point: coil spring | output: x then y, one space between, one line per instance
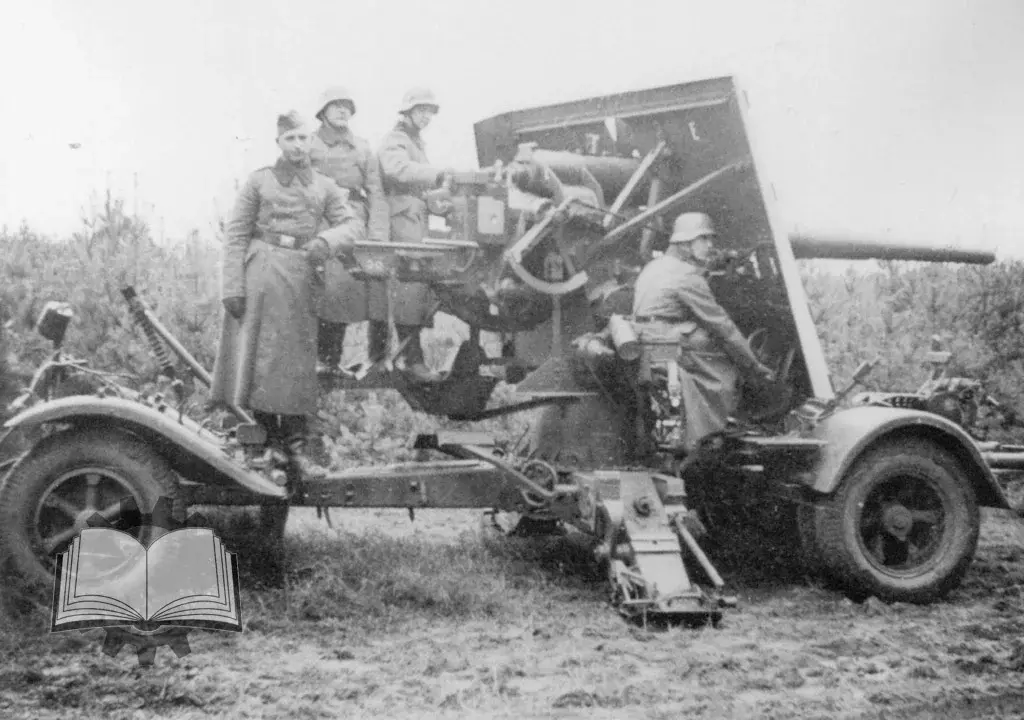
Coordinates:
154 340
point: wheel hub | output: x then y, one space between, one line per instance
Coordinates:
897 521
81 521
903 524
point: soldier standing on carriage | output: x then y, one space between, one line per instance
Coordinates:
288 220
408 176
352 164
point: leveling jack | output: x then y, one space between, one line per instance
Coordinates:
645 547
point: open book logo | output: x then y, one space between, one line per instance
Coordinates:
146 596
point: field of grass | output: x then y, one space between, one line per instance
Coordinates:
383 617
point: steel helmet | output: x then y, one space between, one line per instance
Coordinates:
690 226
336 93
419 96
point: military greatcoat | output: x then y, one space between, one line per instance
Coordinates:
352 164
407 175
674 293
267 360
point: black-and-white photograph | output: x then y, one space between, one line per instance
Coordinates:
567 359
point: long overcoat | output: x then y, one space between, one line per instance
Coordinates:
267 360
352 164
712 352
407 174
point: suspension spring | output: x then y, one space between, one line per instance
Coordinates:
142 320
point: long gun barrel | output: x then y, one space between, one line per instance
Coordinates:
838 247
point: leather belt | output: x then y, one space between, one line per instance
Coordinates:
288 242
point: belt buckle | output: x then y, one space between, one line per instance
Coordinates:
287 241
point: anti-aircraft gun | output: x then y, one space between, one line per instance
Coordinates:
576 197
546 241
573 200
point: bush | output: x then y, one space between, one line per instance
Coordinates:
892 310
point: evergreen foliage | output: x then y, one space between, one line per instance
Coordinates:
868 309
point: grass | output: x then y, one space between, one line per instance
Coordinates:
376 623
335 582
375 579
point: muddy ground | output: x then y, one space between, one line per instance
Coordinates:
387 618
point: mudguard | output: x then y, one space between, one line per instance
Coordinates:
849 433
193 452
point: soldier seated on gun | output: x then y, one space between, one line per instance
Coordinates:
288 220
672 290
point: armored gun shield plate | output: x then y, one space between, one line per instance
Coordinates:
653 155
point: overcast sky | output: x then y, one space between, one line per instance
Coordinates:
894 119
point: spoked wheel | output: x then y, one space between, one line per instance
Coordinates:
902 526
50 496
902 523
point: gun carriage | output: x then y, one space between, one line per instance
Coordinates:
545 243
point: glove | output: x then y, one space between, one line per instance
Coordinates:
235 306
346 247
592 345
318 251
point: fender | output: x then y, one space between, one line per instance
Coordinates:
193 451
848 433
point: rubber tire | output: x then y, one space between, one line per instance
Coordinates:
146 471
835 529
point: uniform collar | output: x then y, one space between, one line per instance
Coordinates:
333 136
408 126
286 171
691 264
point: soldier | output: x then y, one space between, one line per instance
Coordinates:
407 176
350 162
288 220
672 290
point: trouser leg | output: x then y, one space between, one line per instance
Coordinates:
330 342
293 428
377 339
294 433
413 352
270 422
291 432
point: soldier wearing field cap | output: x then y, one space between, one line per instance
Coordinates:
407 175
287 221
351 163
672 290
